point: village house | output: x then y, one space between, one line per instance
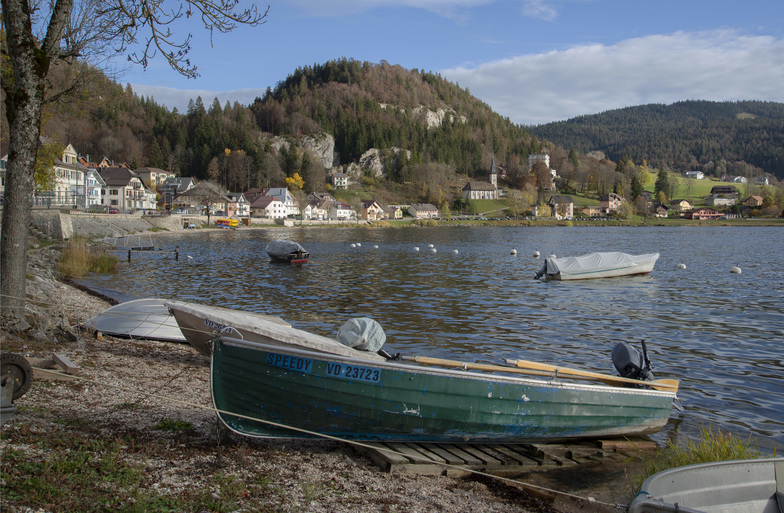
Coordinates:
610 202
393 212
371 210
95 186
173 187
269 207
124 190
340 180
752 201
237 205
288 199
423 211
70 181
697 175
680 205
154 177
660 210
704 213
722 195
562 207
341 211
592 211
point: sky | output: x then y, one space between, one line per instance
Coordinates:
533 61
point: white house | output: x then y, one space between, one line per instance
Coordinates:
95 186
268 206
340 180
284 195
341 211
70 183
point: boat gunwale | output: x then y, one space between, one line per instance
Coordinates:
445 372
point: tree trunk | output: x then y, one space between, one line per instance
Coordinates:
24 101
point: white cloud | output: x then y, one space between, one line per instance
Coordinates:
586 79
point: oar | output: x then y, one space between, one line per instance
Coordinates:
473 366
669 385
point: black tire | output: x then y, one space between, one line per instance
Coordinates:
16 368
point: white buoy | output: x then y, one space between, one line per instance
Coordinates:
513 252
353 245
454 251
552 255
536 254
681 266
432 250
429 245
735 270
416 248
375 246
358 244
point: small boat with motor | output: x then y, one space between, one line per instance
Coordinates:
596 265
287 252
270 380
742 486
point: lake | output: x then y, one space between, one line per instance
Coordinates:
720 333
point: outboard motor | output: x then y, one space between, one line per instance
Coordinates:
630 363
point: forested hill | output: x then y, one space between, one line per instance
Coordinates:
697 135
362 105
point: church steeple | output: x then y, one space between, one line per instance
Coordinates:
493 173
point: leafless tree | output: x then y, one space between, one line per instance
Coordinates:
41 35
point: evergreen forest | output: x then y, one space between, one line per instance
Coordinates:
719 138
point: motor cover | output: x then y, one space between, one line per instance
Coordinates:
627 360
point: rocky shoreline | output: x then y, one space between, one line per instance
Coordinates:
127 389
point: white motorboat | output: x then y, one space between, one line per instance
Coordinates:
597 265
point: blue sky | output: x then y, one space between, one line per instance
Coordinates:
533 61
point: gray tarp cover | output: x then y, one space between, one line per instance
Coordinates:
281 248
594 262
362 333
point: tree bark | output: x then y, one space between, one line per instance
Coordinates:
24 103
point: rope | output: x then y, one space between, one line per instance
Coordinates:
156 395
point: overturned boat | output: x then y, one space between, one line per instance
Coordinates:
596 265
287 251
147 318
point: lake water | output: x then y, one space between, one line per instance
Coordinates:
721 334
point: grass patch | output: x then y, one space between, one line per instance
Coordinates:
80 258
710 446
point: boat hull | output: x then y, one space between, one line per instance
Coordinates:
744 486
264 391
141 318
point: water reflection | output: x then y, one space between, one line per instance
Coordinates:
721 333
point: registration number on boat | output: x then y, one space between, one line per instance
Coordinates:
340 370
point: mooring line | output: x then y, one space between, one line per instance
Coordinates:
71 377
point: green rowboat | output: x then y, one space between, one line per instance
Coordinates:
265 390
